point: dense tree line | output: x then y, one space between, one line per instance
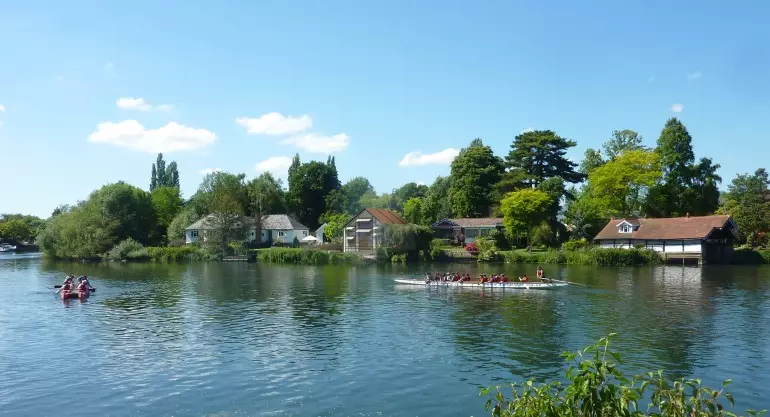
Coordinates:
535 188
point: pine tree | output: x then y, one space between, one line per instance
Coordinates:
160 166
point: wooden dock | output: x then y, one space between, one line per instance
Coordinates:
237 258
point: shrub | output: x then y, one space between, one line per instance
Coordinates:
400 258
487 249
595 386
181 253
437 249
578 244
128 250
595 256
747 256
501 240
306 256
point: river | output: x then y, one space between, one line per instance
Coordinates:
234 339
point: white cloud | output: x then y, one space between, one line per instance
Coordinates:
275 124
527 130
420 183
169 138
677 108
418 158
2 108
694 75
140 104
276 165
209 171
320 143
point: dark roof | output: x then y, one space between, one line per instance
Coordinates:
471 222
386 216
269 222
667 228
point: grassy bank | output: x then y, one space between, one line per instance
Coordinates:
594 256
306 257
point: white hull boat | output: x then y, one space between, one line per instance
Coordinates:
7 248
491 285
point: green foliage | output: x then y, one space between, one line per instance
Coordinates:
438 249
576 245
176 230
413 210
128 250
595 386
309 185
167 204
746 200
407 192
353 190
619 185
436 204
592 159
111 214
266 191
163 176
593 256
221 191
525 209
583 213
181 253
500 238
307 257
408 237
621 142
474 175
538 155
487 249
748 256
335 223
19 227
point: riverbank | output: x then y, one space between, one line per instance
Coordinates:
588 257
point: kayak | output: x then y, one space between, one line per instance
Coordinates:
501 285
65 295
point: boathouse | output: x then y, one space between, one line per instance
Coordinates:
364 232
701 239
466 230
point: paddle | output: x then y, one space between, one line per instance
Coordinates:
59 287
568 282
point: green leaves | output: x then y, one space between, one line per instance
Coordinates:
598 388
524 209
474 175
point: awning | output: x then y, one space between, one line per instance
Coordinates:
309 238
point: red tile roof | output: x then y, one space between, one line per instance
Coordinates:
666 228
386 216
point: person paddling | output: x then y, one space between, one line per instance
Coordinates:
84 289
525 278
540 273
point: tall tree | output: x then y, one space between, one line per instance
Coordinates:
584 214
436 205
704 187
621 184
474 174
556 190
172 175
220 183
154 178
295 163
160 166
167 203
538 155
524 210
353 190
622 141
408 191
592 159
413 210
747 201
309 186
266 192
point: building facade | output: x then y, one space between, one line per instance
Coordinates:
466 230
364 232
707 239
276 228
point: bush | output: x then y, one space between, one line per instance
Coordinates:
595 256
501 240
437 249
128 250
574 245
595 386
182 253
487 249
306 256
472 248
400 258
747 256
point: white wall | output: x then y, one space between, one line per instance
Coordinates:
288 236
671 246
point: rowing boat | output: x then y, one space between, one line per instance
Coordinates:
501 285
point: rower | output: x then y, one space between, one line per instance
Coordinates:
540 273
505 278
525 278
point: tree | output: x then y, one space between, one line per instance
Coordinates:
371 200
622 141
747 201
160 166
408 191
619 186
556 190
172 175
592 159
266 195
309 185
335 222
473 176
583 214
176 229
436 204
154 178
703 194
538 155
16 229
167 203
216 184
525 209
295 163
353 190
413 210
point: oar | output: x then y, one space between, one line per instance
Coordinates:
568 282
59 287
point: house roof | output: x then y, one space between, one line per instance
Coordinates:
470 222
667 228
386 216
269 222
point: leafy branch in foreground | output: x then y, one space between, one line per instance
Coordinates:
596 387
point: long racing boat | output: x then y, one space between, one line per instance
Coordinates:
494 285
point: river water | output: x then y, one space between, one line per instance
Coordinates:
217 339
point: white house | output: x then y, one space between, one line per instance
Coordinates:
320 233
706 238
276 228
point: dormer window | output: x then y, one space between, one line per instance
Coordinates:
626 228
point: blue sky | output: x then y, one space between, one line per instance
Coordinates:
369 82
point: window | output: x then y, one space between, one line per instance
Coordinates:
626 228
304 233
194 233
281 234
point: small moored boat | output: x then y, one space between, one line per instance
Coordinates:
501 285
7 248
